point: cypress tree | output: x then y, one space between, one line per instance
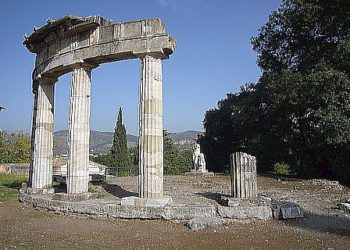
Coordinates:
119 150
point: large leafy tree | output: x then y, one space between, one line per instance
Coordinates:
231 127
119 151
302 51
14 147
303 33
299 111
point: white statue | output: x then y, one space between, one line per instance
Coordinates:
196 153
198 160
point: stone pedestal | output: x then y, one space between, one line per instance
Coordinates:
79 130
243 176
151 129
42 134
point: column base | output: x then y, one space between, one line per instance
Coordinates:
146 202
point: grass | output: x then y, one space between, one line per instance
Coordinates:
9 185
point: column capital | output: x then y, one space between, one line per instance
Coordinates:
83 64
156 55
46 78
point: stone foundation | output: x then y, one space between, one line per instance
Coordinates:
145 202
168 211
74 197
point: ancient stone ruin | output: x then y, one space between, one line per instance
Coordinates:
243 176
244 188
79 45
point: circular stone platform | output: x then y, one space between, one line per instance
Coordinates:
192 196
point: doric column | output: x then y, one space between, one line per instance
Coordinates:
151 129
79 130
42 134
243 176
32 140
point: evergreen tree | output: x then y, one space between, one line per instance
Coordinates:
119 150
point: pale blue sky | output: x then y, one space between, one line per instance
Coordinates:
213 57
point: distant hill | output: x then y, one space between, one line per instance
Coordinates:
101 142
183 136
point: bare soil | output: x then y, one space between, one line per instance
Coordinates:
324 226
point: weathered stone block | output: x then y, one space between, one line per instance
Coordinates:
188 212
229 201
239 212
286 210
201 223
235 202
74 197
133 212
146 202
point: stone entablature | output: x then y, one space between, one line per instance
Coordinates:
61 44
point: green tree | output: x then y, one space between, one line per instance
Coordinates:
184 161
119 151
298 113
303 51
14 147
104 159
175 161
233 126
302 34
169 153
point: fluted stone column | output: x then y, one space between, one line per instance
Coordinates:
79 130
42 134
151 129
32 141
243 176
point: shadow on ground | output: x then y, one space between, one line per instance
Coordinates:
322 223
15 185
117 190
212 196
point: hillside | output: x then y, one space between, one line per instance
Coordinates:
183 136
101 142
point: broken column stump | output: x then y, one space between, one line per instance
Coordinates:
243 176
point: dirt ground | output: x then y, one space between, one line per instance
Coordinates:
324 226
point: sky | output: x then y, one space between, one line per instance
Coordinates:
213 57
